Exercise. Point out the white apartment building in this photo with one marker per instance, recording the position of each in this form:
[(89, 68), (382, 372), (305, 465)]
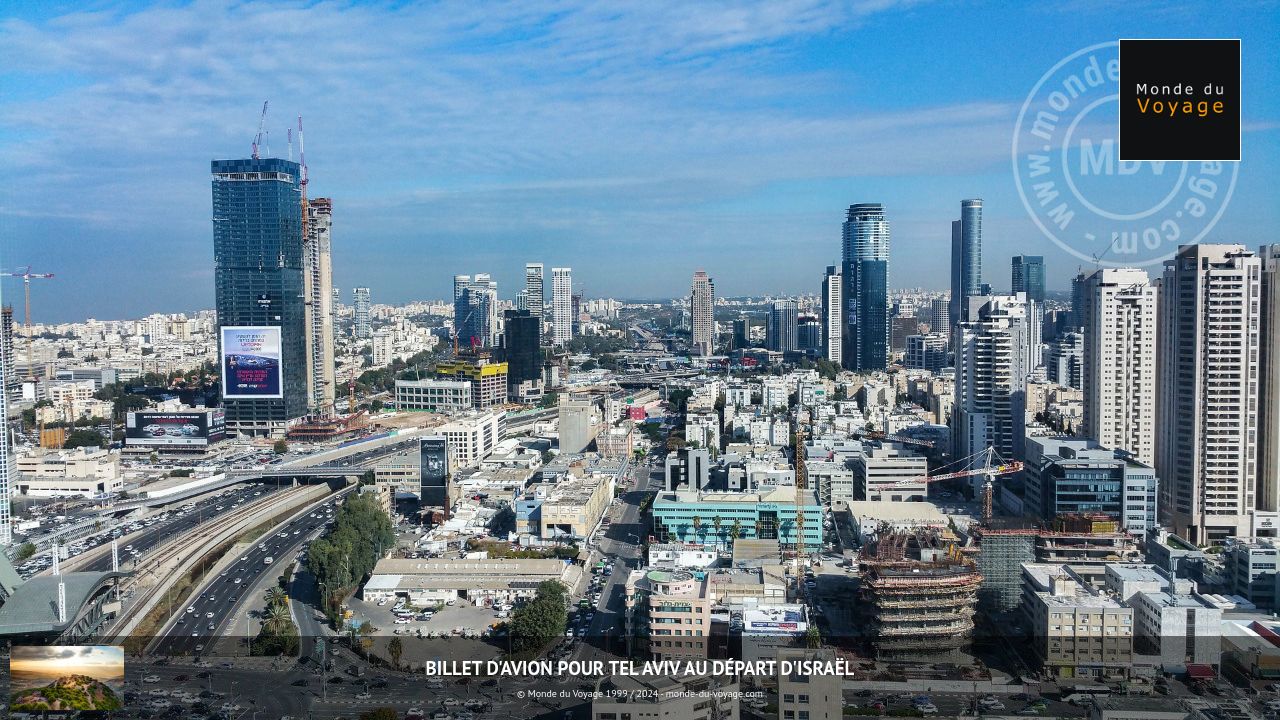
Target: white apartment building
[(1269, 391), (1119, 373), (1207, 396), (809, 697), (774, 393), (443, 396), (384, 348), (534, 289), (832, 317), (317, 287), (890, 471), (562, 305), (472, 437), (1077, 631), (995, 354), (703, 427), (702, 310)]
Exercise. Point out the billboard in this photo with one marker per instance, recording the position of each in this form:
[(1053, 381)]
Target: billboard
[(251, 363), (177, 429), (434, 458)]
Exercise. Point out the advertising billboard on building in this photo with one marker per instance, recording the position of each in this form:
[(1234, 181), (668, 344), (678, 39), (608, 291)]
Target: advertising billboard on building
[(434, 456), (176, 430), (251, 363)]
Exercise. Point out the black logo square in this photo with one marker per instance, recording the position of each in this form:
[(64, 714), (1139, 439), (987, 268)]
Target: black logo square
[(1180, 100)]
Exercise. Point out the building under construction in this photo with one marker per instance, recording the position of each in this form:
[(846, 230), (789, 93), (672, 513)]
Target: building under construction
[(919, 595)]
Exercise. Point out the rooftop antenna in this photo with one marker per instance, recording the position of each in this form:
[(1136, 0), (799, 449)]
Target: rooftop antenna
[(289, 136), (262, 122)]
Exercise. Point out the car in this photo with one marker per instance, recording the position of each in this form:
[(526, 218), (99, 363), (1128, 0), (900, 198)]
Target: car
[(927, 708), (1028, 710), (211, 626), (363, 695), (191, 609), (181, 678), (239, 580), (208, 614), (151, 679)]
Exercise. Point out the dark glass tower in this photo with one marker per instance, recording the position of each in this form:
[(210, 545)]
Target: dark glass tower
[(1028, 277), (521, 333), (966, 259), (865, 269), (257, 253)]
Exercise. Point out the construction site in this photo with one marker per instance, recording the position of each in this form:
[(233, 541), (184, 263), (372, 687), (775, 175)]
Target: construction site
[(918, 596)]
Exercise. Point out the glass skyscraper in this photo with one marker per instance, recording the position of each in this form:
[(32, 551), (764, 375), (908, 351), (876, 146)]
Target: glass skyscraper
[(258, 278), (1028, 277), (865, 269), (966, 259)]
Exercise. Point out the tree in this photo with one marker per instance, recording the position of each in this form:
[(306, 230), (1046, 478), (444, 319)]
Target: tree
[(381, 713), (542, 619), (697, 525), (549, 400), (83, 437), (275, 596), (277, 618), (366, 631), (281, 447), (25, 551), (813, 637), (375, 405), (716, 522), (735, 530), (395, 648)]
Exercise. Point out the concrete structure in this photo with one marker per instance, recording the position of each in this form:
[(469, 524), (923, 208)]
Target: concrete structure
[(1065, 476), (702, 311), (920, 609), (488, 378), (695, 697), (670, 612), (576, 426), (926, 352), (84, 472), (561, 305), (1119, 354), (428, 582), (360, 303), (769, 513), (677, 555), (1180, 628), (890, 471), (1269, 390), (687, 469), (472, 437), (444, 396), (865, 270), (317, 286), (1251, 570), (867, 516), (617, 442), (574, 507), (1207, 436), (1076, 631), (832, 317), (1064, 361), (996, 351), (809, 697)]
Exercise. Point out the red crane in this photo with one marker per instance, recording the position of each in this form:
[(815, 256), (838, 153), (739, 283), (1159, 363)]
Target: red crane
[(27, 276)]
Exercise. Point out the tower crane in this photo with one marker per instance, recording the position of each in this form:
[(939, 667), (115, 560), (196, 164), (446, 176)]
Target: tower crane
[(27, 276), (992, 467), (262, 124)]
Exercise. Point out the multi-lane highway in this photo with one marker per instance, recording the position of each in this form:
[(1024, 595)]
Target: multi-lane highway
[(209, 615)]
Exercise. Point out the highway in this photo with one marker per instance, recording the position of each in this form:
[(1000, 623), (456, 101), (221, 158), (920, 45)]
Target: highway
[(207, 616)]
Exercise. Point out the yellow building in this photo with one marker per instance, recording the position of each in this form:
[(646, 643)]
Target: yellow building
[(488, 379)]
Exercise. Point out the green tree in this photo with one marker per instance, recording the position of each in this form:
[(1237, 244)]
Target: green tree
[(275, 596), (25, 551), (395, 649), (735, 530), (83, 437), (549, 400), (542, 619), (813, 637), (375, 405), (281, 447), (277, 618), (360, 534), (697, 526), (366, 631), (381, 713), (717, 522)]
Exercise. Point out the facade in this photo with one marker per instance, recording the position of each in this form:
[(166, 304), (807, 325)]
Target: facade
[(966, 259), (1076, 631), (475, 310), (317, 286), (689, 515), (573, 508), (360, 304), (1207, 391), (865, 269), (926, 352), (535, 293), (6, 451), (940, 316), (258, 279), (1072, 476), (1179, 628), (1252, 569), (488, 379), (832, 325), (437, 459), (483, 582), (671, 609), (472, 437), (995, 353), (811, 697), (575, 423), (521, 344), (890, 471), (1119, 353), (83, 472), (443, 396), (383, 348), (561, 305), (782, 333), (695, 697), (1064, 361), (920, 610), (1269, 390), (8, 365), (702, 309), (1028, 277)]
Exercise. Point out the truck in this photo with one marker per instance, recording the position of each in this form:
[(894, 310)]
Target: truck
[(268, 560)]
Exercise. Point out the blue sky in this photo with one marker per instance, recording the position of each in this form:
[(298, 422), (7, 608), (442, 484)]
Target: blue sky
[(635, 142)]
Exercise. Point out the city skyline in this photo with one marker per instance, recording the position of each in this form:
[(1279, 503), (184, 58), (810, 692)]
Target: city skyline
[(480, 192)]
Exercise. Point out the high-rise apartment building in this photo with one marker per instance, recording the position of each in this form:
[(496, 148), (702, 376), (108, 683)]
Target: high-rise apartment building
[(966, 259), (562, 305), (865, 268), (940, 315), (7, 466), (1028, 277), (995, 352), (475, 310), (1207, 391), (702, 308), (9, 370), (1269, 388), (360, 298), (317, 287), (832, 320), (1119, 368), (782, 333), (534, 289), (258, 283)]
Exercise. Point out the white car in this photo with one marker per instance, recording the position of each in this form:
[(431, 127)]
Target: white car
[(151, 679), (238, 581)]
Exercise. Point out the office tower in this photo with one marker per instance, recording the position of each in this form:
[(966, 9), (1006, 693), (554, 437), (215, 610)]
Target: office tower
[(7, 467), (781, 334), (926, 352), (522, 300), (940, 315), (865, 267), (475, 310), (317, 287), (809, 333), (577, 313), (1064, 361), (1269, 388), (360, 304), (1207, 391), (1079, 293), (562, 305), (899, 328), (9, 370), (742, 333), (966, 259), (702, 309), (1118, 313), (832, 326), (995, 352), (1028, 277), (534, 289), (258, 282), (521, 335)]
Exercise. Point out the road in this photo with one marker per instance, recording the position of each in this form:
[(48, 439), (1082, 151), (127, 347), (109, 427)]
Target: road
[(208, 615)]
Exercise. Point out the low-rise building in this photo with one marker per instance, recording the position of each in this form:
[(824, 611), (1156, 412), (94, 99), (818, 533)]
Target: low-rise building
[(1180, 628), (82, 472), (803, 696), (1076, 630), (676, 555), (488, 379), (715, 517), (573, 507), (429, 582), (669, 612), (472, 437), (443, 396), (694, 697)]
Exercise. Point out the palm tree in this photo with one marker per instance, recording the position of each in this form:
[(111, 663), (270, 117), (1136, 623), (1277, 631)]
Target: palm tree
[(275, 596), (395, 649), (716, 521), (735, 530), (277, 618), (697, 526)]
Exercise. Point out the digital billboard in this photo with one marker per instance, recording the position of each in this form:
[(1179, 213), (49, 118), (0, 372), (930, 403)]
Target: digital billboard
[(434, 457), (251, 363), (177, 429)]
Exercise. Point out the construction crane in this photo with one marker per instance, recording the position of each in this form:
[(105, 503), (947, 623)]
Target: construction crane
[(27, 276), (262, 124), (992, 466), (877, 435)]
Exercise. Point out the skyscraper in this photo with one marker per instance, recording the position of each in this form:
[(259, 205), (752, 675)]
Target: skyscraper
[(475, 310), (832, 325), (534, 289), (7, 468), (1119, 368), (9, 371), (782, 331), (966, 259), (562, 305), (940, 315), (742, 333), (702, 307), (1269, 390), (865, 267), (1028, 277), (1207, 391), (258, 282), (317, 284), (521, 336), (360, 298), (995, 352)]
